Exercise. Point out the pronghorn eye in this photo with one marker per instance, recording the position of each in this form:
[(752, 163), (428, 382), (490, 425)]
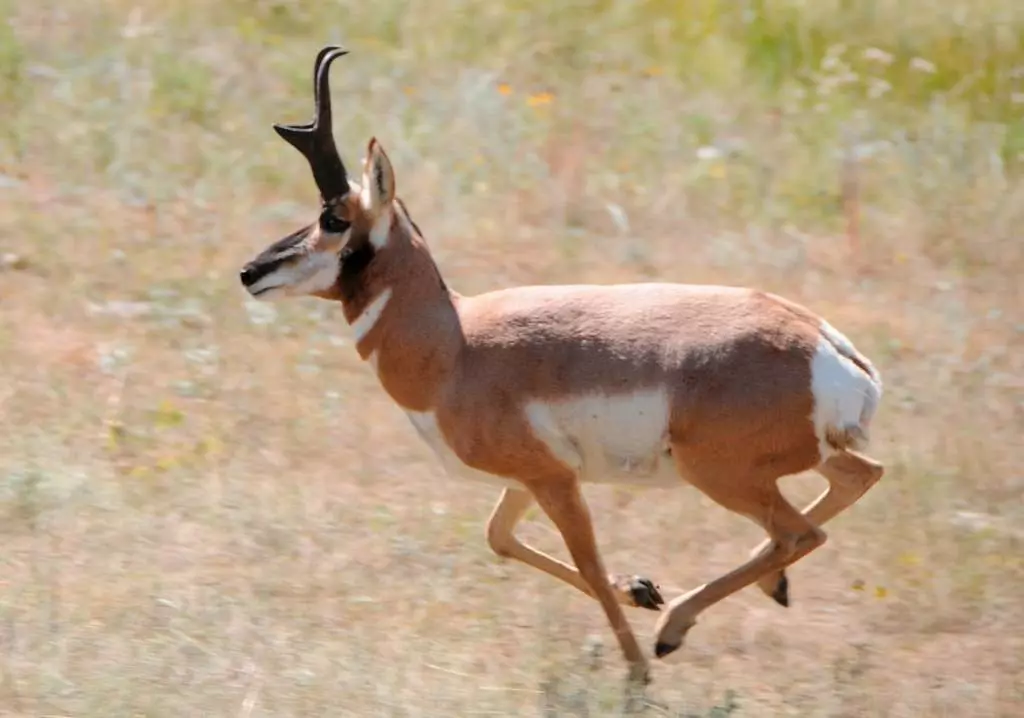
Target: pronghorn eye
[(330, 222)]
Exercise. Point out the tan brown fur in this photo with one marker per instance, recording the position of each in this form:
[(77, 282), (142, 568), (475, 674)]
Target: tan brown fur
[(503, 348), (735, 364)]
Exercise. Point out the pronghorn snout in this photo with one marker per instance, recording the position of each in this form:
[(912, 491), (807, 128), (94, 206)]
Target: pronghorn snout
[(255, 272), (295, 266), (249, 275)]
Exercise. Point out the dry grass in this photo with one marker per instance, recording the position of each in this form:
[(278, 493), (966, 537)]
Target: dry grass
[(209, 508)]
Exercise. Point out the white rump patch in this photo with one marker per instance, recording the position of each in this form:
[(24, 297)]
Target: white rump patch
[(426, 425), (617, 438), (845, 396), (366, 321)]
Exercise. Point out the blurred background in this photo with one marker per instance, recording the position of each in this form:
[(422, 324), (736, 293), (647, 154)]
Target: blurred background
[(209, 508)]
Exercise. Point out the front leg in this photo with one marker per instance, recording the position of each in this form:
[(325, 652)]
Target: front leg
[(560, 498), (632, 591)]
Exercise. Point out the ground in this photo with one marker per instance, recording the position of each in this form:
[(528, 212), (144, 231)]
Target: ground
[(208, 507)]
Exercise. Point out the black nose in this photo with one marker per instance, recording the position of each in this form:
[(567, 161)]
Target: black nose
[(248, 275)]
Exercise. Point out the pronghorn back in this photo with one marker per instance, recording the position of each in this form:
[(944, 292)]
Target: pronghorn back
[(611, 376)]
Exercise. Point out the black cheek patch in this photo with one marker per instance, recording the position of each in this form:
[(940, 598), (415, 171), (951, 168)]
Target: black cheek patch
[(354, 261)]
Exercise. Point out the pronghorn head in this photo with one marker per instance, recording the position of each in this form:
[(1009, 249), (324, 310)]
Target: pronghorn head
[(355, 219)]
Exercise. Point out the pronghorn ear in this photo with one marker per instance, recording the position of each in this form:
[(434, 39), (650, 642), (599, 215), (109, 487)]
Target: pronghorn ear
[(378, 177)]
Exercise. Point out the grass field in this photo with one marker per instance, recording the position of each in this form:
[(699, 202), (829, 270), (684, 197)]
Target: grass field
[(209, 508)]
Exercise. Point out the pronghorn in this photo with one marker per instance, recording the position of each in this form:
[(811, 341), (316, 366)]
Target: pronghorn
[(543, 388)]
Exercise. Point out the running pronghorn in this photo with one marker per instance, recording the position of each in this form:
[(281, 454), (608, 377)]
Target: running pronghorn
[(543, 388)]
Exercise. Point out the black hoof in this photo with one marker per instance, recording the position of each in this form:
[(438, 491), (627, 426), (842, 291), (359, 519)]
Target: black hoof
[(645, 594), (781, 593), (663, 649)]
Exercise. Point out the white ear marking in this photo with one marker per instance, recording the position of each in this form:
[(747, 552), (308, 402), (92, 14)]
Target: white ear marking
[(381, 229), (378, 177)]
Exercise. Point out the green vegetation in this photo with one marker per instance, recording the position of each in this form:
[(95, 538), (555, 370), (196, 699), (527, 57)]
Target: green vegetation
[(207, 507)]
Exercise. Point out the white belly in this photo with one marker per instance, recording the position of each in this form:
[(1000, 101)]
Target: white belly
[(618, 438), (606, 439)]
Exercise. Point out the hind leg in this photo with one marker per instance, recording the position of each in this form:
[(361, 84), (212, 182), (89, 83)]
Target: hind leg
[(850, 476), (754, 495)]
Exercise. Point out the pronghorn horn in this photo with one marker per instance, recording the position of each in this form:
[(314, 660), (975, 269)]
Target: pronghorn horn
[(315, 139)]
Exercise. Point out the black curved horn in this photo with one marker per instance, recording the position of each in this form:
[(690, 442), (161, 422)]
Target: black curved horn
[(315, 139), (316, 70)]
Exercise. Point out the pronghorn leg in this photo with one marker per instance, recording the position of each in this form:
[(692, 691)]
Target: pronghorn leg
[(850, 476), (563, 502), (792, 537), (633, 591)]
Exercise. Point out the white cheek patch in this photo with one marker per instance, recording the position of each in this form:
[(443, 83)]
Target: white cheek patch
[(362, 324), (270, 286), (285, 281), (319, 273)]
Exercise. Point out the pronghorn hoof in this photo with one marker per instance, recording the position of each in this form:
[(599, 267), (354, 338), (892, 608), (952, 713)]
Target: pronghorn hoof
[(643, 592), (781, 592), (671, 631), (663, 649)]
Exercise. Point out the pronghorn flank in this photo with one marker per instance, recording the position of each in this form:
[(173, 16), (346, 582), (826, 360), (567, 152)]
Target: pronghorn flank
[(542, 388)]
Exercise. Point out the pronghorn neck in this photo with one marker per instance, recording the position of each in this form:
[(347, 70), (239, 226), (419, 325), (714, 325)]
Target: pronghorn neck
[(402, 314)]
